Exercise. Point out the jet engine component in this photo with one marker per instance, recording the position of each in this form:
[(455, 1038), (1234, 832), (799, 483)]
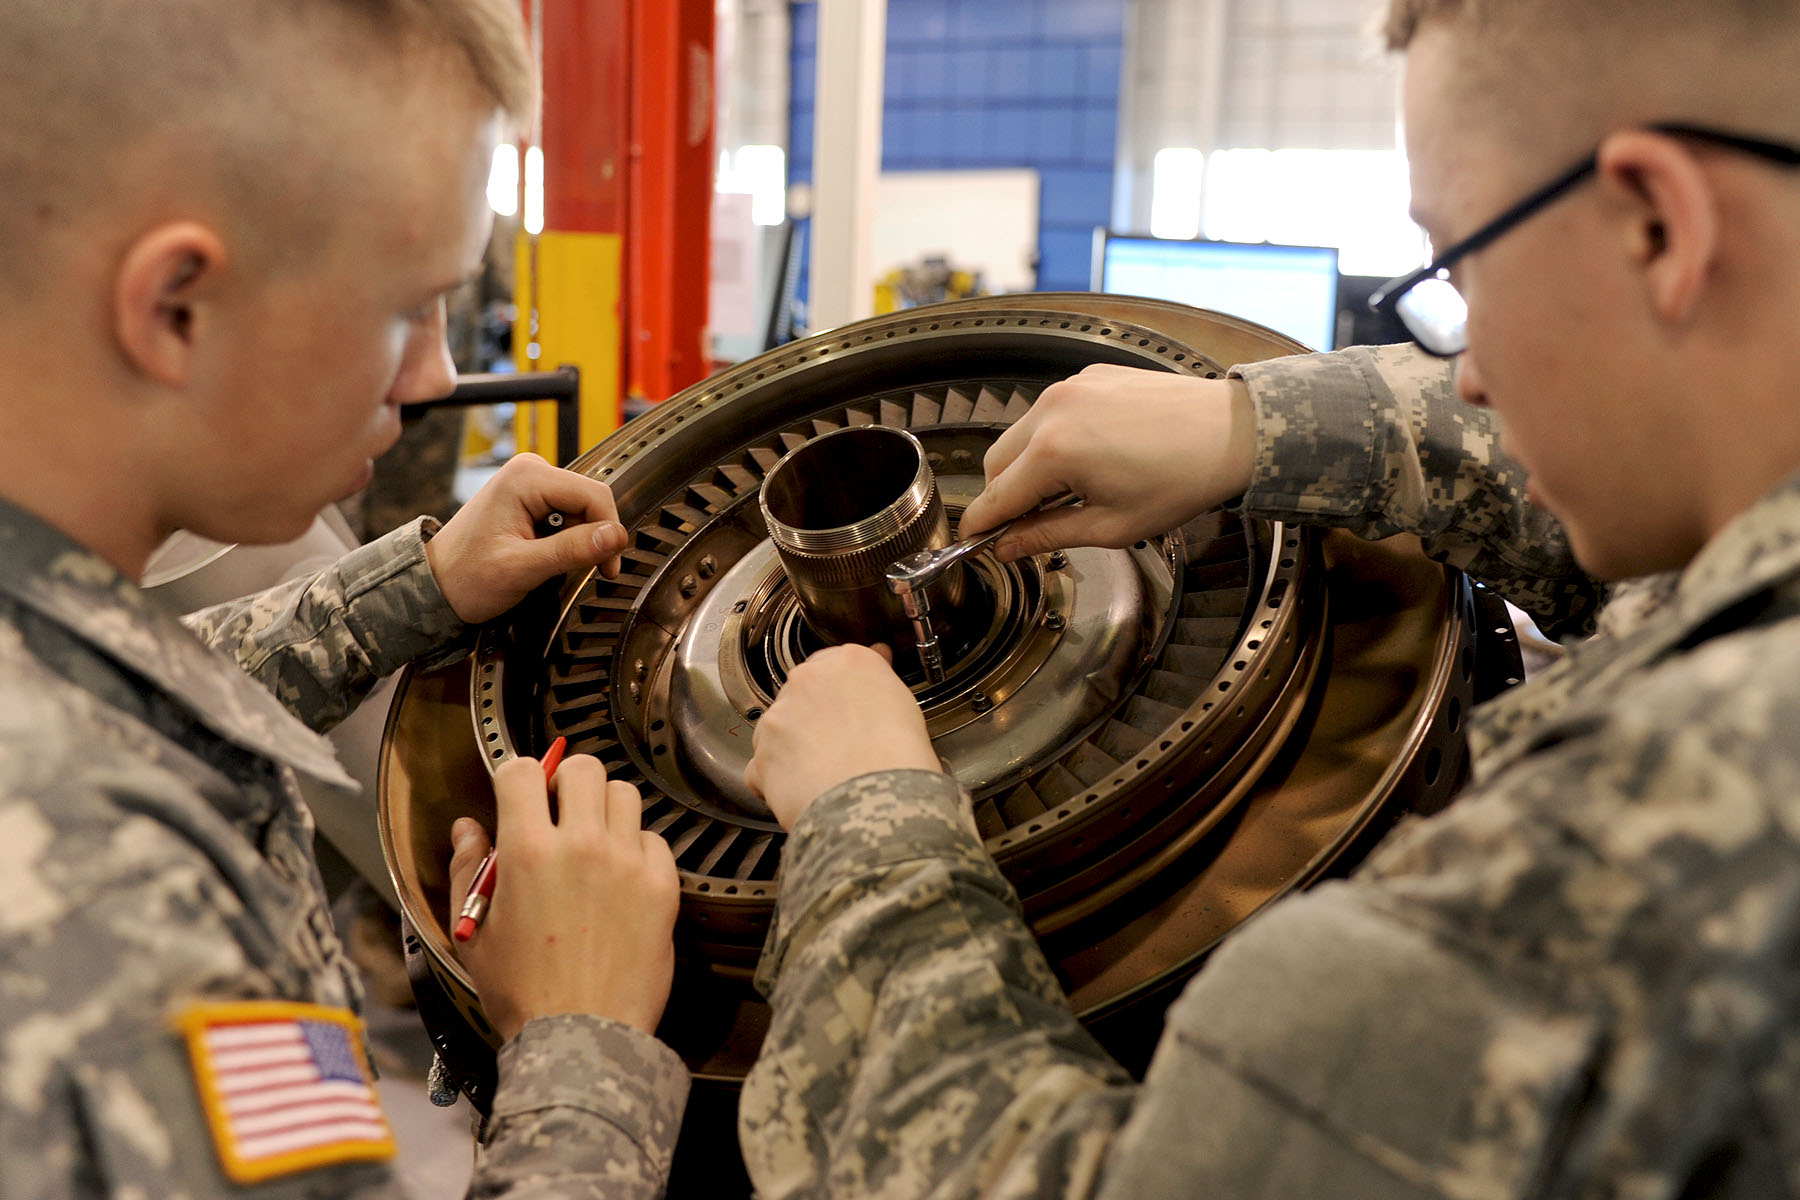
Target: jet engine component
[(839, 510), (1159, 740)]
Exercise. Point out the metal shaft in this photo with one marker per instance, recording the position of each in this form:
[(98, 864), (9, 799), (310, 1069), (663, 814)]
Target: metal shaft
[(839, 510)]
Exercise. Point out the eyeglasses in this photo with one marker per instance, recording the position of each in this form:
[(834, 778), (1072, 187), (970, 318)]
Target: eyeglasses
[(1431, 308)]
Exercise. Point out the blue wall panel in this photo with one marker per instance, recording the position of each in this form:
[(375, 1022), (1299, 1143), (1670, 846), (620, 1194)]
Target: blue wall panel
[(996, 83)]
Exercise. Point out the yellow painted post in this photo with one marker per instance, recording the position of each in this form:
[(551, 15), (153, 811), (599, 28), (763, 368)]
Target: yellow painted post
[(575, 281)]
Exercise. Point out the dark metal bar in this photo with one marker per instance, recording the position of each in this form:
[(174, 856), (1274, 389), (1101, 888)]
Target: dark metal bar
[(562, 385)]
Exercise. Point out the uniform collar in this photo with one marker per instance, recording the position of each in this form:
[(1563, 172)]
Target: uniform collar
[(72, 586), (1757, 548)]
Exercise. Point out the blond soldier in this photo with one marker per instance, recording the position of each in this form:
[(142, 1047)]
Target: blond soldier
[(229, 226), (1579, 979)]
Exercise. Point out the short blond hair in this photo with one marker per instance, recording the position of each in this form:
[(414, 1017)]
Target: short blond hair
[(490, 34), (235, 90), (1552, 74), (1551, 17)]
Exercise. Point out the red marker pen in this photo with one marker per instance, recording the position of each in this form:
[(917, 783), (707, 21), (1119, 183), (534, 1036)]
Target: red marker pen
[(481, 892)]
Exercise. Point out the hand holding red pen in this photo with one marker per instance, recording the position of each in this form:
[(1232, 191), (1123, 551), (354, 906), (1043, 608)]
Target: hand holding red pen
[(482, 891), (583, 921)]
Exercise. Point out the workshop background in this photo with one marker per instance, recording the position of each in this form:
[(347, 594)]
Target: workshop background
[(713, 178)]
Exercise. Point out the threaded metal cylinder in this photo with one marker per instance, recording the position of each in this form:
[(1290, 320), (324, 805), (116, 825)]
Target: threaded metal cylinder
[(839, 510)]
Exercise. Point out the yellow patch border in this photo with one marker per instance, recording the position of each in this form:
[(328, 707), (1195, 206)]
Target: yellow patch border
[(193, 1023)]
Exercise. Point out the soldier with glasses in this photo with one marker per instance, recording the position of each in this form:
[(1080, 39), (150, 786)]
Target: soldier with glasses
[(1579, 980)]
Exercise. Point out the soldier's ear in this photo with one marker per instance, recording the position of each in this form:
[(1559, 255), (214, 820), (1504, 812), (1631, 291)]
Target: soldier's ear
[(165, 282), (1668, 217)]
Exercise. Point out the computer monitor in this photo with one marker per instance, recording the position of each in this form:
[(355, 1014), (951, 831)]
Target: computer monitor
[(1292, 289)]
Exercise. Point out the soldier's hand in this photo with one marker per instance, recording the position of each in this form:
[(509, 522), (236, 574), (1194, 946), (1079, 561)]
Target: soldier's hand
[(583, 912), (842, 713), (489, 556), (1146, 450)]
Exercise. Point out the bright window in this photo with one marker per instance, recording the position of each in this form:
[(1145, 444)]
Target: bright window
[(759, 172), (534, 190), (1355, 200), (1175, 178), (503, 181)]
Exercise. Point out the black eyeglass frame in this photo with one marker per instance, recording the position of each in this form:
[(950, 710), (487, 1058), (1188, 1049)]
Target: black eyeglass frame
[(1386, 300)]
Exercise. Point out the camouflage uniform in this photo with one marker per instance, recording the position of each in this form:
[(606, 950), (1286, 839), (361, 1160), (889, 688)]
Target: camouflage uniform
[(1579, 980), (154, 853)]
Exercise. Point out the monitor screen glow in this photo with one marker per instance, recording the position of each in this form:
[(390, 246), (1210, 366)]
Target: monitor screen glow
[(1292, 289)]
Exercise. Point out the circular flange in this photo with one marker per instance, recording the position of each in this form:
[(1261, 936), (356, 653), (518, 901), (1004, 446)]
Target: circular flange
[(1249, 657)]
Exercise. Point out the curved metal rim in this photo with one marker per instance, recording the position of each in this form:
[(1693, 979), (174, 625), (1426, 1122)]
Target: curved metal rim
[(673, 422)]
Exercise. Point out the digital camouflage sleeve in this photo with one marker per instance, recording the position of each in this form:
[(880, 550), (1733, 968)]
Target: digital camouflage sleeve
[(322, 644), (1577, 981), (1375, 441)]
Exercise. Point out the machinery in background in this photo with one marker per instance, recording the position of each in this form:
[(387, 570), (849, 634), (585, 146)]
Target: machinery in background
[(931, 280)]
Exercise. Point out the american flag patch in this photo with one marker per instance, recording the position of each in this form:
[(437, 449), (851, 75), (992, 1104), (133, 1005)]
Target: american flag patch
[(284, 1087)]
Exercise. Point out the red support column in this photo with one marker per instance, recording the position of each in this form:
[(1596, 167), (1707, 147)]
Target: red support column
[(571, 276), (670, 222), (617, 282)]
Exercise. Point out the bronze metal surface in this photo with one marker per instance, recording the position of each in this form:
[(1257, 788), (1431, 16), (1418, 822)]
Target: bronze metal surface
[(838, 510), (1285, 697)]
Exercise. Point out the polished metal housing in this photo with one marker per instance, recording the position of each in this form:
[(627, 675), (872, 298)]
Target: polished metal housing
[(1158, 740), (839, 510)]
